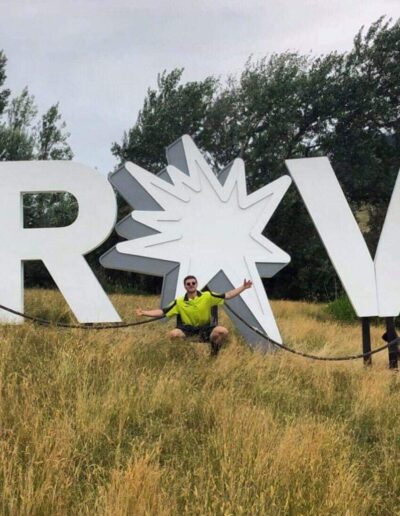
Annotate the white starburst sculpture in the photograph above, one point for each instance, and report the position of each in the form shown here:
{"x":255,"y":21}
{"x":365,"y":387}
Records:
{"x":189,"y":221}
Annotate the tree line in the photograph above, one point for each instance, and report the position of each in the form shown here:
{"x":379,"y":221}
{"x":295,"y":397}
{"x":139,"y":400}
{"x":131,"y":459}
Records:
{"x":342,"y":105}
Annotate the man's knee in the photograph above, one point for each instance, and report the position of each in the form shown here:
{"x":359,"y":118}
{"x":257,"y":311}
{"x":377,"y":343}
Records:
{"x":176,"y":334}
{"x":219,"y":332}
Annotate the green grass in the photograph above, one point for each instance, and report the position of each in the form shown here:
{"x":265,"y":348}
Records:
{"x":127,"y":422}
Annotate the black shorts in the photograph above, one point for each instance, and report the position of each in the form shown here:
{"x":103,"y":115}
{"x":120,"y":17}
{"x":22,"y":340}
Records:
{"x":203,"y":332}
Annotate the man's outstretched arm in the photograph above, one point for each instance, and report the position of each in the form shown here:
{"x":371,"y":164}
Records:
{"x":236,"y":291}
{"x":157,"y":312}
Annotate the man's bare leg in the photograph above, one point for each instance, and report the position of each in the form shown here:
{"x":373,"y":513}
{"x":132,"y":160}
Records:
{"x":176,"y":334}
{"x":217,"y":338}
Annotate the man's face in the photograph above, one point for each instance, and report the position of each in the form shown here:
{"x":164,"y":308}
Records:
{"x":191,"y":285}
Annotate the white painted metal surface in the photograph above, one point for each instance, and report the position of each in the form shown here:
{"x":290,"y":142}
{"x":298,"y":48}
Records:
{"x":61,"y":249}
{"x":387,"y":259}
{"x":338,"y":229}
{"x":206,"y":226}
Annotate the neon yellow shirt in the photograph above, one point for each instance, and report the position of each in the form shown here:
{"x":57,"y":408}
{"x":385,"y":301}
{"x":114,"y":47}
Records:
{"x":194,"y":312}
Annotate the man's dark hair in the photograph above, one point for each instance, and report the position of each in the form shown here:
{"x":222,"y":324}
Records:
{"x":189,"y":277}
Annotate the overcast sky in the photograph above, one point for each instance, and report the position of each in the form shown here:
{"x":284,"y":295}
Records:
{"x":98,"y":57}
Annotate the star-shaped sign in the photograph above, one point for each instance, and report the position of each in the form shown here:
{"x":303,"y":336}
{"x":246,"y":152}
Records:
{"x":189,"y":221}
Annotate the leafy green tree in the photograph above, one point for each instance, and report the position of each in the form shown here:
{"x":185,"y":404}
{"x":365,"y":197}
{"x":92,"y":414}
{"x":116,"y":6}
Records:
{"x":24,"y":138}
{"x":52,"y":138}
{"x":271,"y":112}
{"x":365,"y":143}
{"x":4,"y":94}
{"x":17,"y":137}
{"x":168,"y":112}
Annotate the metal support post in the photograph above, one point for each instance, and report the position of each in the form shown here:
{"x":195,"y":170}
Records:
{"x":366,"y":340}
{"x":393,"y":349}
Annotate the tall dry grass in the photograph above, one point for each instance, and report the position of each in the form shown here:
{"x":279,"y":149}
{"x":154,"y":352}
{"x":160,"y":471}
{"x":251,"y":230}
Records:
{"x":126,"y":422}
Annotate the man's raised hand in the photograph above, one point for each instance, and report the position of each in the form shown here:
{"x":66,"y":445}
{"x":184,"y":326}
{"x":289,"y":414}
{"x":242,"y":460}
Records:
{"x":247,"y":284}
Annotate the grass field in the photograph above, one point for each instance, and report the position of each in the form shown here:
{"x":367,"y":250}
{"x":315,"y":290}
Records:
{"x":126,"y":422}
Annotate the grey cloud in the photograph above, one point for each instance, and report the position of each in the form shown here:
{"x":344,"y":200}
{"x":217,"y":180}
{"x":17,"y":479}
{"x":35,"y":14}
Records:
{"x":97,"y":57}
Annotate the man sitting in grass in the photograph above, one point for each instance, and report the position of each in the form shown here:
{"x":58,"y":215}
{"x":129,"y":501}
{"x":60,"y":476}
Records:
{"x":193,"y":311}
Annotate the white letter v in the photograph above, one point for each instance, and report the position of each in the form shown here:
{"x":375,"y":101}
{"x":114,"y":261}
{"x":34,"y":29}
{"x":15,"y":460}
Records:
{"x":374,"y":289}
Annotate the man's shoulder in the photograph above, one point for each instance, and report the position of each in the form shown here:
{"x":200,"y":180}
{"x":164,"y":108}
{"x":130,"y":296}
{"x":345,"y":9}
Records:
{"x":211,"y":293}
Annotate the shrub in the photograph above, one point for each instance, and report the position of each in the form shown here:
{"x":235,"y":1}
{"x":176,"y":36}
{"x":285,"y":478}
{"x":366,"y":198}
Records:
{"x":342,"y":310}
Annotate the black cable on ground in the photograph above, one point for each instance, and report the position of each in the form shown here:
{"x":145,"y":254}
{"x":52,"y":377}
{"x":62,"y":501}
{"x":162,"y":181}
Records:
{"x":308,"y":355}
{"x":44,"y":322}
{"x":56,"y":324}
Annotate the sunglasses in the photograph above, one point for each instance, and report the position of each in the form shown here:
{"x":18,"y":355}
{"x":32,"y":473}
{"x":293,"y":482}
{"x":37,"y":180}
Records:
{"x":190,"y":283}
